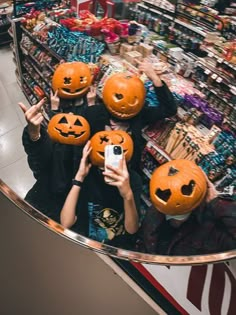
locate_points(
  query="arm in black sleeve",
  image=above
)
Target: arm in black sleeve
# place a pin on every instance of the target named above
(223, 212)
(39, 152)
(167, 106)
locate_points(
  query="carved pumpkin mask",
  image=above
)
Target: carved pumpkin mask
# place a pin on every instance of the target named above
(71, 79)
(102, 138)
(123, 95)
(177, 187)
(69, 129)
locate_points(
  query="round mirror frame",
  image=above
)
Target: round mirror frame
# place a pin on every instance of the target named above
(107, 249)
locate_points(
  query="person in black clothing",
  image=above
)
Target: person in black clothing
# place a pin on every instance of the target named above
(106, 212)
(100, 118)
(209, 228)
(54, 164)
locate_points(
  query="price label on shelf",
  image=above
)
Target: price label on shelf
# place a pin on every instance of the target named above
(207, 71)
(210, 54)
(214, 76)
(202, 85)
(233, 91)
(220, 60)
(219, 80)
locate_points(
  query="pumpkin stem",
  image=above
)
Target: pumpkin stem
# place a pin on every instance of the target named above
(172, 171)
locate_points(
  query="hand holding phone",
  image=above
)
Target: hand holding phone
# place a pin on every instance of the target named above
(113, 156)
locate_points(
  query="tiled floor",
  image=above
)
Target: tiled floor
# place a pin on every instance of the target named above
(14, 170)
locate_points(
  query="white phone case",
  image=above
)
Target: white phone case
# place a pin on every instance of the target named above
(111, 158)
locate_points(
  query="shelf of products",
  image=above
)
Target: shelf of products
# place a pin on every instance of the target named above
(5, 24)
(201, 80)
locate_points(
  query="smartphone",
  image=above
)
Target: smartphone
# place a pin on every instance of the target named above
(113, 155)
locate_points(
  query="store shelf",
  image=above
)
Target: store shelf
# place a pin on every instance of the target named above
(32, 91)
(156, 147)
(27, 96)
(45, 46)
(209, 69)
(210, 89)
(147, 173)
(219, 59)
(159, 5)
(37, 83)
(191, 27)
(5, 42)
(175, 20)
(27, 53)
(39, 73)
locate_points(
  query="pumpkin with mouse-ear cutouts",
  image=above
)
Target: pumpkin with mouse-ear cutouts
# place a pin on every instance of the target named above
(69, 129)
(177, 187)
(123, 95)
(71, 79)
(102, 138)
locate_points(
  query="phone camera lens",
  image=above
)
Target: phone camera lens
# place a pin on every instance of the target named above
(117, 150)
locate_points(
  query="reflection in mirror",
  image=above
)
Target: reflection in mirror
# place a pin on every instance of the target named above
(185, 215)
(144, 208)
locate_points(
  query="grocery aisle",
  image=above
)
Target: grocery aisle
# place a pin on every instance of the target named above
(14, 170)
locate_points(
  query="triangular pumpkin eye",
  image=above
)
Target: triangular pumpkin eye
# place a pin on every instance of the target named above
(77, 123)
(187, 190)
(67, 80)
(63, 120)
(163, 194)
(172, 171)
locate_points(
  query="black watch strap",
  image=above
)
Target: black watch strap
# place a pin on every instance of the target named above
(77, 182)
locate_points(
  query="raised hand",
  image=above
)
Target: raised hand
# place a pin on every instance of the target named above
(55, 100)
(84, 166)
(120, 178)
(91, 96)
(148, 69)
(34, 118)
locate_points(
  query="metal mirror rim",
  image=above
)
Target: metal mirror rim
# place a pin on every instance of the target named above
(107, 249)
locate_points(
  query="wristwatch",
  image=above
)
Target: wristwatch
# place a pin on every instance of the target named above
(77, 182)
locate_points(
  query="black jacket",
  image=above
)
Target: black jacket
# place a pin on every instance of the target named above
(54, 165)
(211, 228)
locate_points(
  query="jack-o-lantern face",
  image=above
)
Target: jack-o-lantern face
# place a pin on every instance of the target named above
(102, 138)
(69, 129)
(71, 79)
(177, 187)
(124, 95)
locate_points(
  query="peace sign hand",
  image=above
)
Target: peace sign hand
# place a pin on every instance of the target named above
(91, 96)
(55, 100)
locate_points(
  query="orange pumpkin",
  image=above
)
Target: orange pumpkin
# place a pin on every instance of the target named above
(69, 129)
(123, 95)
(102, 138)
(177, 187)
(71, 79)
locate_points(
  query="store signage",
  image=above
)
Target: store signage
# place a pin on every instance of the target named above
(196, 290)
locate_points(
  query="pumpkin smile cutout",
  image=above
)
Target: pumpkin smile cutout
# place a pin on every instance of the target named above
(123, 95)
(177, 187)
(71, 79)
(69, 129)
(102, 138)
